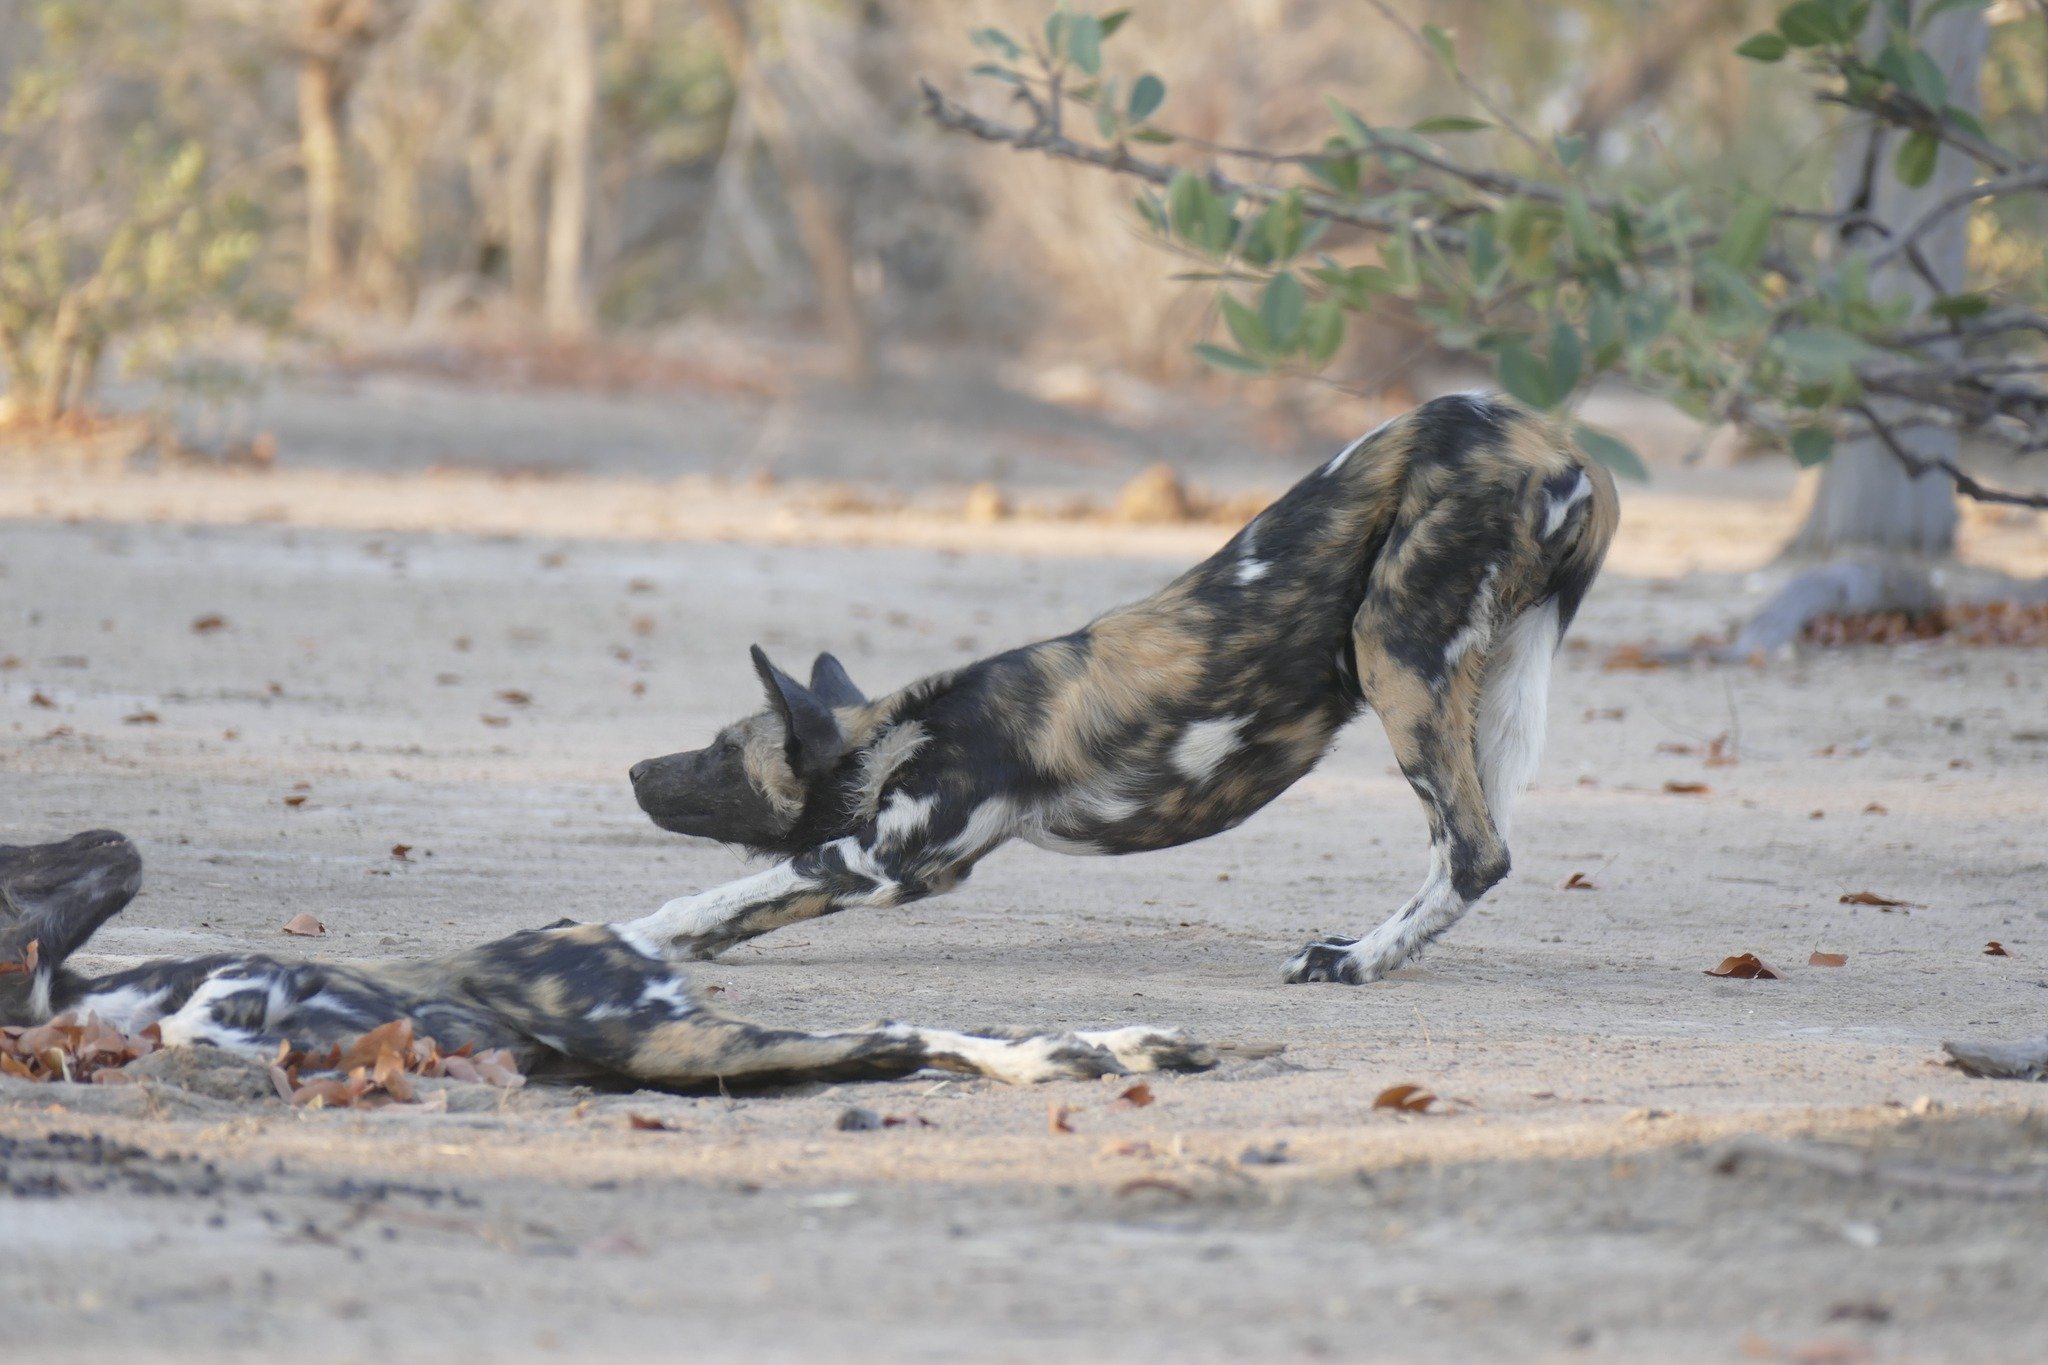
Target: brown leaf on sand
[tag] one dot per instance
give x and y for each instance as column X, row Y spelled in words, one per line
column 1578, row 881
column 1746, row 967
column 206, row 625
column 1409, row 1099
column 1630, row 659
column 1872, row 898
column 1820, row 959
column 304, row 925
column 1056, row 1116
column 1153, row 1182
column 647, row 1123
column 1875, row 808
column 512, row 696
column 141, row 718
column 1995, row 949
column 497, row 721
column 295, row 801
column 1137, row 1096
column 401, row 852
column 1687, row 788
column 38, row 699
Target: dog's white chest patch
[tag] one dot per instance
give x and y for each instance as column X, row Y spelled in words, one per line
column 1204, row 745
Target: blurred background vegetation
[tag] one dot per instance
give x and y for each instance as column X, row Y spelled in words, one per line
column 176, row 173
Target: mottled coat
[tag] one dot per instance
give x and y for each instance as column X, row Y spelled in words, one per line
column 1427, row 572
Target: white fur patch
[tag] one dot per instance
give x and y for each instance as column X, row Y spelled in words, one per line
column 903, row 816
column 1348, row 451
column 1252, row 570
column 1514, row 703
column 194, row 1021
column 1479, row 626
column 1560, row 508
column 987, row 825
column 670, row 993
column 1204, row 745
column 127, row 1008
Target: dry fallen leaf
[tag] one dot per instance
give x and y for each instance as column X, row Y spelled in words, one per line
column 1056, row 1116
column 1995, row 949
column 1687, row 788
column 38, row 699
column 645, row 1123
column 141, row 718
column 1409, row 1099
column 1875, row 808
column 1578, row 881
column 512, row 696
column 495, row 720
column 1746, row 967
column 295, row 801
column 1820, row 959
column 402, row 852
column 1631, row 658
column 207, row 624
column 1153, row 1182
column 1872, row 898
column 1137, row 1096
column 304, row 925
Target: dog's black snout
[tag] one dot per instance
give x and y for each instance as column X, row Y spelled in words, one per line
column 639, row 770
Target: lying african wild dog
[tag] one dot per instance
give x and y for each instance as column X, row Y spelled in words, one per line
column 578, row 1000
column 1427, row 572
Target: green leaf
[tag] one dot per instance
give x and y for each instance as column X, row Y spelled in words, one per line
column 1567, row 359
column 1578, row 221
column 1280, row 308
column 1246, row 327
column 1925, row 80
column 1111, row 22
column 1603, row 331
column 1105, row 112
column 1965, row 120
column 997, row 40
column 1611, row 451
column 1084, row 42
column 1483, row 254
column 1523, row 375
column 1450, row 123
column 1941, row 7
column 1764, row 47
column 1186, row 197
column 1322, row 331
column 1748, row 233
column 1146, row 96
column 1571, row 148
column 1225, row 359
column 1961, row 306
column 1151, row 135
column 1915, row 161
column 1812, row 445
column 1818, row 352
column 1056, row 33
column 1151, row 210
column 996, row 73
column 1809, row 24
column 1440, row 43
column 1350, row 125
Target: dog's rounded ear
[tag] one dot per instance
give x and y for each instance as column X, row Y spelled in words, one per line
column 813, row 739
column 831, row 685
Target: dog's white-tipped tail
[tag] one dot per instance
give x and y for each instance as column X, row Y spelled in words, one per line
column 1514, row 702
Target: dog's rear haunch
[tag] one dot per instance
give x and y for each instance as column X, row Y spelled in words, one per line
column 576, row 1001
column 1427, row 572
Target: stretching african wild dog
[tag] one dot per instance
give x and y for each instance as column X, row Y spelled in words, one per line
column 576, row 1000
column 1427, row 572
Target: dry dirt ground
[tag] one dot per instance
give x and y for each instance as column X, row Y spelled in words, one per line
column 1614, row 1170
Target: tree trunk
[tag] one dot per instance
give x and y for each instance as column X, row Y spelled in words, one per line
column 1866, row 500
column 818, row 224
column 320, row 155
column 525, row 231
column 564, row 304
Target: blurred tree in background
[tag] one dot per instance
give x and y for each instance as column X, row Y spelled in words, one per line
column 1805, row 318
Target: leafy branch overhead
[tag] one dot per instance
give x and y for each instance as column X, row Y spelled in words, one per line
column 1738, row 306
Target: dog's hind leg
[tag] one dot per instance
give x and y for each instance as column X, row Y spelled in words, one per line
column 1423, row 639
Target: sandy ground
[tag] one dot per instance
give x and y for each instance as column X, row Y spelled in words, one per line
column 1574, row 1195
